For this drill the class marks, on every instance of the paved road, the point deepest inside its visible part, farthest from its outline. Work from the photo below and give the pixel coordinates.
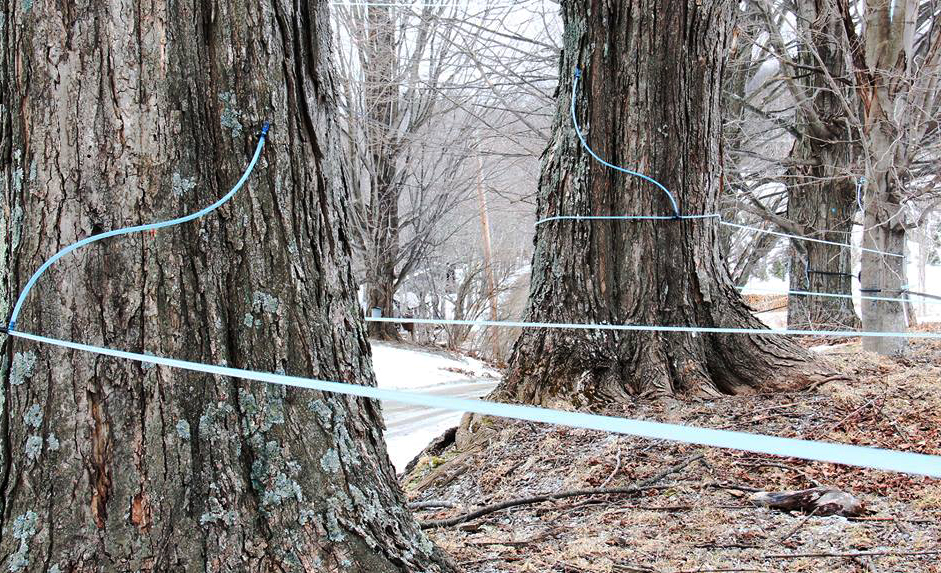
(410, 428)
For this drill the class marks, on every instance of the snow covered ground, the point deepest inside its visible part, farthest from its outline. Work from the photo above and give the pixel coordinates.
(410, 428)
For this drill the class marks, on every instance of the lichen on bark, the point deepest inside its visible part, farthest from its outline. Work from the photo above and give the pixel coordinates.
(125, 467)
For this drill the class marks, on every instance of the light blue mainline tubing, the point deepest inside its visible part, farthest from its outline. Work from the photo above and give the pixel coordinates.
(758, 290)
(788, 236)
(622, 217)
(653, 327)
(138, 228)
(860, 456)
(676, 208)
(581, 136)
(708, 216)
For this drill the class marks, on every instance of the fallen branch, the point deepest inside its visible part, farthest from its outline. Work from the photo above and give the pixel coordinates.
(819, 501)
(858, 554)
(637, 487)
(814, 385)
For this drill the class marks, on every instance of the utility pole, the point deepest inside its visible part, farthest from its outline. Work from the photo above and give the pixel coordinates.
(488, 252)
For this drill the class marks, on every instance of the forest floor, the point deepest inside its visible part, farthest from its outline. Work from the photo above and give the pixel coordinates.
(700, 519)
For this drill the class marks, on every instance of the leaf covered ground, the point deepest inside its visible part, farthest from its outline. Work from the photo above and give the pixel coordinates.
(700, 519)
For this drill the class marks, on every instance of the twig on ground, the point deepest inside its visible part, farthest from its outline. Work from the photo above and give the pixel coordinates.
(891, 519)
(720, 570)
(617, 466)
(843, 420)
(816, 384)
(637, 487)
(517, 543)
(798, 526)
(739, 487)
(859, 554)
(894, 424)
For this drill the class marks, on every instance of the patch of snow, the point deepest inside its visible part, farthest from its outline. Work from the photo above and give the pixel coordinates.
(405, 368)
(410, 428)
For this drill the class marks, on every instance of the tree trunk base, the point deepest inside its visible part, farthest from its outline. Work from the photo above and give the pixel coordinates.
(565, 370)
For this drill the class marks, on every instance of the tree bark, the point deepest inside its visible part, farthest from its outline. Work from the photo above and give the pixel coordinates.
(821, 195)
(649, 98)
(118, 114)
(381, 94)
(892, 89)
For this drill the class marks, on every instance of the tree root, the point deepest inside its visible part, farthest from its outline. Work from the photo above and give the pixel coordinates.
(642, 485)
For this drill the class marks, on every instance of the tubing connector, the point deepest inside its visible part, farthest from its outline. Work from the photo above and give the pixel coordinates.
(264, 129)
(578, 72)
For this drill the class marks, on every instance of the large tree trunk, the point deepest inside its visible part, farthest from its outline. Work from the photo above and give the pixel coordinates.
(114, 115)
(884, 275)
(825, 210)
(381, 94)
(892, 88)
(821, 195)
(649, 98)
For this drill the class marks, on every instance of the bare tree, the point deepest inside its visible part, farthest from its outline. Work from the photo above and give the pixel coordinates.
(402, 158)
(896, 51)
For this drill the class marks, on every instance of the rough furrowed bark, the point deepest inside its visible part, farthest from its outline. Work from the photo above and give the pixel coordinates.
(822, 196)
(649, 100)
(826, 211)
(885, 275)
(132, 112)
(382, 100)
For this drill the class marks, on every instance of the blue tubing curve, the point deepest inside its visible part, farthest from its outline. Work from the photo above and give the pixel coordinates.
(581, 137)
(138, 228)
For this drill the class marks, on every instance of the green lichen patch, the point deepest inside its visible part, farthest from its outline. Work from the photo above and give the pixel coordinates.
(262, 301)
(33, 447)
(212, 422)
(215, 513)
(180, 185)
(282, 489)
(247, 402)
(33, 416)
(230, 118)
(183, 429)
(24, 528)
(22, 368)
(320, 408)
(330, 462)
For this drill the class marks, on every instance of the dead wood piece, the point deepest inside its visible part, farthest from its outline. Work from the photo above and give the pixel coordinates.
(819, 501)
(640, 486)
(818, 383)
(853, 555)
(434, 448)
